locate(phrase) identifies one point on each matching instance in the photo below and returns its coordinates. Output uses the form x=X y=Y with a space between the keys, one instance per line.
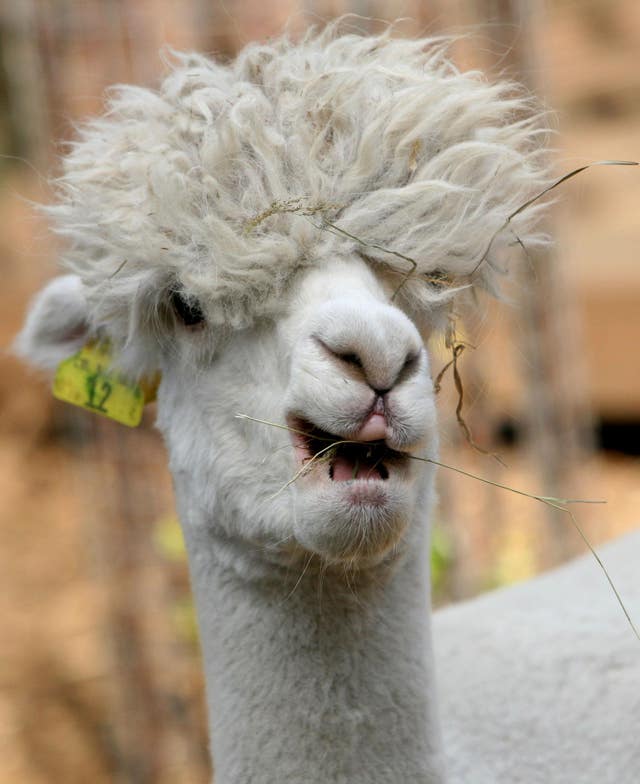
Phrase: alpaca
x=278 y=237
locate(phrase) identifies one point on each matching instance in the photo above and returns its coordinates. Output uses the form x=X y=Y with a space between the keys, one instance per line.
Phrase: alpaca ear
x=57 y=323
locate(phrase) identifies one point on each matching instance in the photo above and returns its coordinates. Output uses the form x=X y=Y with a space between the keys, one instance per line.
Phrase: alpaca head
x=359 y=372
x=341 y=364
x=277 y=237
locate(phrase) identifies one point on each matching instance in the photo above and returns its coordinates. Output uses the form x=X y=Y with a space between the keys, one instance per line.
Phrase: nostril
x=409 y=366
x=411 y=360
x=373 y=366
x=350 y=359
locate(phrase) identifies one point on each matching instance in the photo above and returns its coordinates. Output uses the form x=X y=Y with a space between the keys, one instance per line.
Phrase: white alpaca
x=211 y=229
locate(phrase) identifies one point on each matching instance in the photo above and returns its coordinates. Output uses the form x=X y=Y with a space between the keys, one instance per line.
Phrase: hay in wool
x=381 y=140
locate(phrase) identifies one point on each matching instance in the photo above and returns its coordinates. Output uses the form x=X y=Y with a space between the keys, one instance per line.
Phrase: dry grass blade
x=119 y=269
x=542 y=193
x=297 y=206
x=340 y=231
x=308 y=463
x=555 y=503
x=457 y=348
x=294 y=206
x=325 y=450
x=280 y=427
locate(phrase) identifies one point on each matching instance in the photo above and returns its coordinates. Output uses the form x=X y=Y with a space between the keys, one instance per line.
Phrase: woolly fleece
x=223 y=182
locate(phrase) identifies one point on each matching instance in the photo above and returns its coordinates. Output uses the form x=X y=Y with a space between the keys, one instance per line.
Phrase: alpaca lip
x=347 y=459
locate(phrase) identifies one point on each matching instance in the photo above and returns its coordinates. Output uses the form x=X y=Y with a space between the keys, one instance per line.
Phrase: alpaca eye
x=187 y=309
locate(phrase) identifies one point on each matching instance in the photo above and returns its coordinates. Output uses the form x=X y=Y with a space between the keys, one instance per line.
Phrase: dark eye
x=186 y=308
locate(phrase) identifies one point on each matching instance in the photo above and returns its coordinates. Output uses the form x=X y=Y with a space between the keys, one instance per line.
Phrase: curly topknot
x=229 y=178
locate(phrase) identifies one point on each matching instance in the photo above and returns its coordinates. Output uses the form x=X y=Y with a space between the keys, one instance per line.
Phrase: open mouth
x=344 y=460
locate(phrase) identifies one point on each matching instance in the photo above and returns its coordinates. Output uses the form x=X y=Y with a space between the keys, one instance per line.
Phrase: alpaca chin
x=357 y=521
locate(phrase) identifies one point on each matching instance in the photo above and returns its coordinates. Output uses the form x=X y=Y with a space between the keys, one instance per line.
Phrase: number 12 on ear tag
x=87 y=380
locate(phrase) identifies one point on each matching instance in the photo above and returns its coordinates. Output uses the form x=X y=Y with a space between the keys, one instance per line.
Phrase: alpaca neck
x=315 y=677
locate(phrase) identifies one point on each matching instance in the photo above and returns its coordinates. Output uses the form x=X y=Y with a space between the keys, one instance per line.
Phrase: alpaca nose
x=379 y=344
x=374 y=428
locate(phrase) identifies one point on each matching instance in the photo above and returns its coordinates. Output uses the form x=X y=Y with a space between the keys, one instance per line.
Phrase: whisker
x=299 y=580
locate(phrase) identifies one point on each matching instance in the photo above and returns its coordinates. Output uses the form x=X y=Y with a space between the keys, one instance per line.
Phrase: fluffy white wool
x=185 y=186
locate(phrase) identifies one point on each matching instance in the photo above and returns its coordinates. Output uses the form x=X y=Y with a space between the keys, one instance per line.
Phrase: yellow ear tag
x=87 y=380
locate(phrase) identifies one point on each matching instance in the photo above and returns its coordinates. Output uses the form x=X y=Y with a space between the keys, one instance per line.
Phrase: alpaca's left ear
x=57 y=323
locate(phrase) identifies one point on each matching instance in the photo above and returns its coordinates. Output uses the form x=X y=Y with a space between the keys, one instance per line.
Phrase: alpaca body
x=540 y=683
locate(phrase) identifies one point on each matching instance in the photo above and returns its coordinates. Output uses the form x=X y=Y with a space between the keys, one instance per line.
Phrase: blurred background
x=100 y=678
